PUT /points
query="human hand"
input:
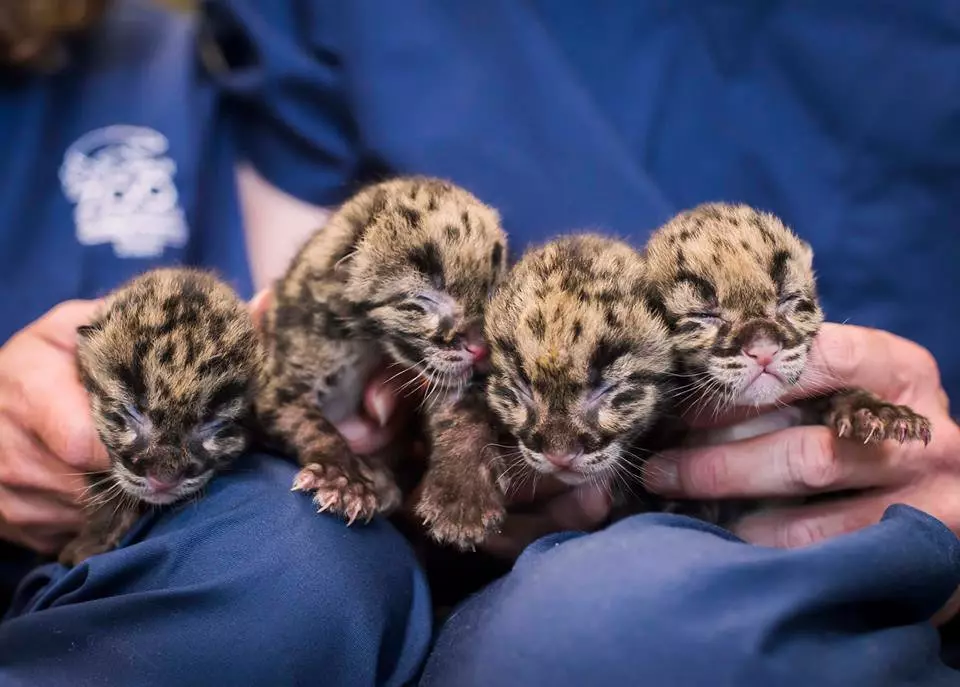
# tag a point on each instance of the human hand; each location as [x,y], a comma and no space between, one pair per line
[802,461]
[543,505]
[387,403]
[47,439]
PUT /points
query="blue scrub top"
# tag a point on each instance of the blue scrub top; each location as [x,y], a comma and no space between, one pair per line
[114,165]
[842,117]
[119,163]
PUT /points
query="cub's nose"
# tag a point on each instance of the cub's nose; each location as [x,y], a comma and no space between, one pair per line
[561,459]
[762,350]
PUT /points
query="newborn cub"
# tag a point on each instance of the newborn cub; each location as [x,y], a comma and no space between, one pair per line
[171,366]
[403,271]
[737,291]
[581,367]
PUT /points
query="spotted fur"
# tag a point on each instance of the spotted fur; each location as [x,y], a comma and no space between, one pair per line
[736,288]
[581,367]
[171,366]
[402,270]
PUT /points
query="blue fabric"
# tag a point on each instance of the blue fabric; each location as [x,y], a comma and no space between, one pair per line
[842,117]
[664,600]
[120,163]
[248,586]
[150,163]
[136,76]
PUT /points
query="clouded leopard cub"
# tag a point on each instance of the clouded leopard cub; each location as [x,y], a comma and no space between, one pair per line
[402,270]
[736,288]
[580,369]
[171,366]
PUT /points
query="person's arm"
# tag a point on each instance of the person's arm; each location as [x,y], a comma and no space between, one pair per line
[275,225]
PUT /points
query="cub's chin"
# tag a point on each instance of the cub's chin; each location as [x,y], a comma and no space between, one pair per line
[766,389]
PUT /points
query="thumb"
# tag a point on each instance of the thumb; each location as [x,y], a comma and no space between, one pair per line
[59,326]
[259,305]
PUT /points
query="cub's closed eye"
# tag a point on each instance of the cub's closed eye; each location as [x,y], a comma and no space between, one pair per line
[426,300]
[789,300]
[212,427]
[599,392]
[132,416]
[706,316]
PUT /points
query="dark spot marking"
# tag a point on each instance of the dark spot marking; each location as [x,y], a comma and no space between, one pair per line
[538,325]
[688,326]
[226,393]
[411,306]
[496,255]
[778,268]
[411,215]
[452,232]
[703,288]
[627,397]
[426,260]
[606,352]
[409,351]
[379,201]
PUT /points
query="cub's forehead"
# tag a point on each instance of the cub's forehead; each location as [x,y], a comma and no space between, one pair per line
[734,248]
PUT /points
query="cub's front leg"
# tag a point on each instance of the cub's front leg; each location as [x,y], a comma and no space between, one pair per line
[106,524]
[863,416]
[461,502]
[291,413]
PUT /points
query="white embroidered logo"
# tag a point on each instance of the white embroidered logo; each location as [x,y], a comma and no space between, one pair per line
[122,184]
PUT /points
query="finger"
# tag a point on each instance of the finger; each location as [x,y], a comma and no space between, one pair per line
[390,390]
[380,401]
[43,540]
[59,326]
[849,356]
[363,435]
[792,462]
[259,305]
[949,610]
[65,428]
[581,509]
[845,356]
[793,527]
[25,464]
[29,510]
[530,488]
[55,408]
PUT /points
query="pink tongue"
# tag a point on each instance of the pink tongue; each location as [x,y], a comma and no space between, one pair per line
[160,485]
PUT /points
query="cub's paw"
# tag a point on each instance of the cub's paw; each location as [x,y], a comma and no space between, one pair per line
[462,517]
[871,420]
[351,495]
[80,549]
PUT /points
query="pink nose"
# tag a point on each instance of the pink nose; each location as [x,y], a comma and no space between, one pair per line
[158,484]
[479,351]
[562,459]
[762,350]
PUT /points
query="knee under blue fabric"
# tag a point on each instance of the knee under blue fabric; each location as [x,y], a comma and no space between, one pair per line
[248,586]
[667,601]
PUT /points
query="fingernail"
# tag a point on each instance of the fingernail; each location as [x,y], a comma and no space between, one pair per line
[662,474]
[380,408]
